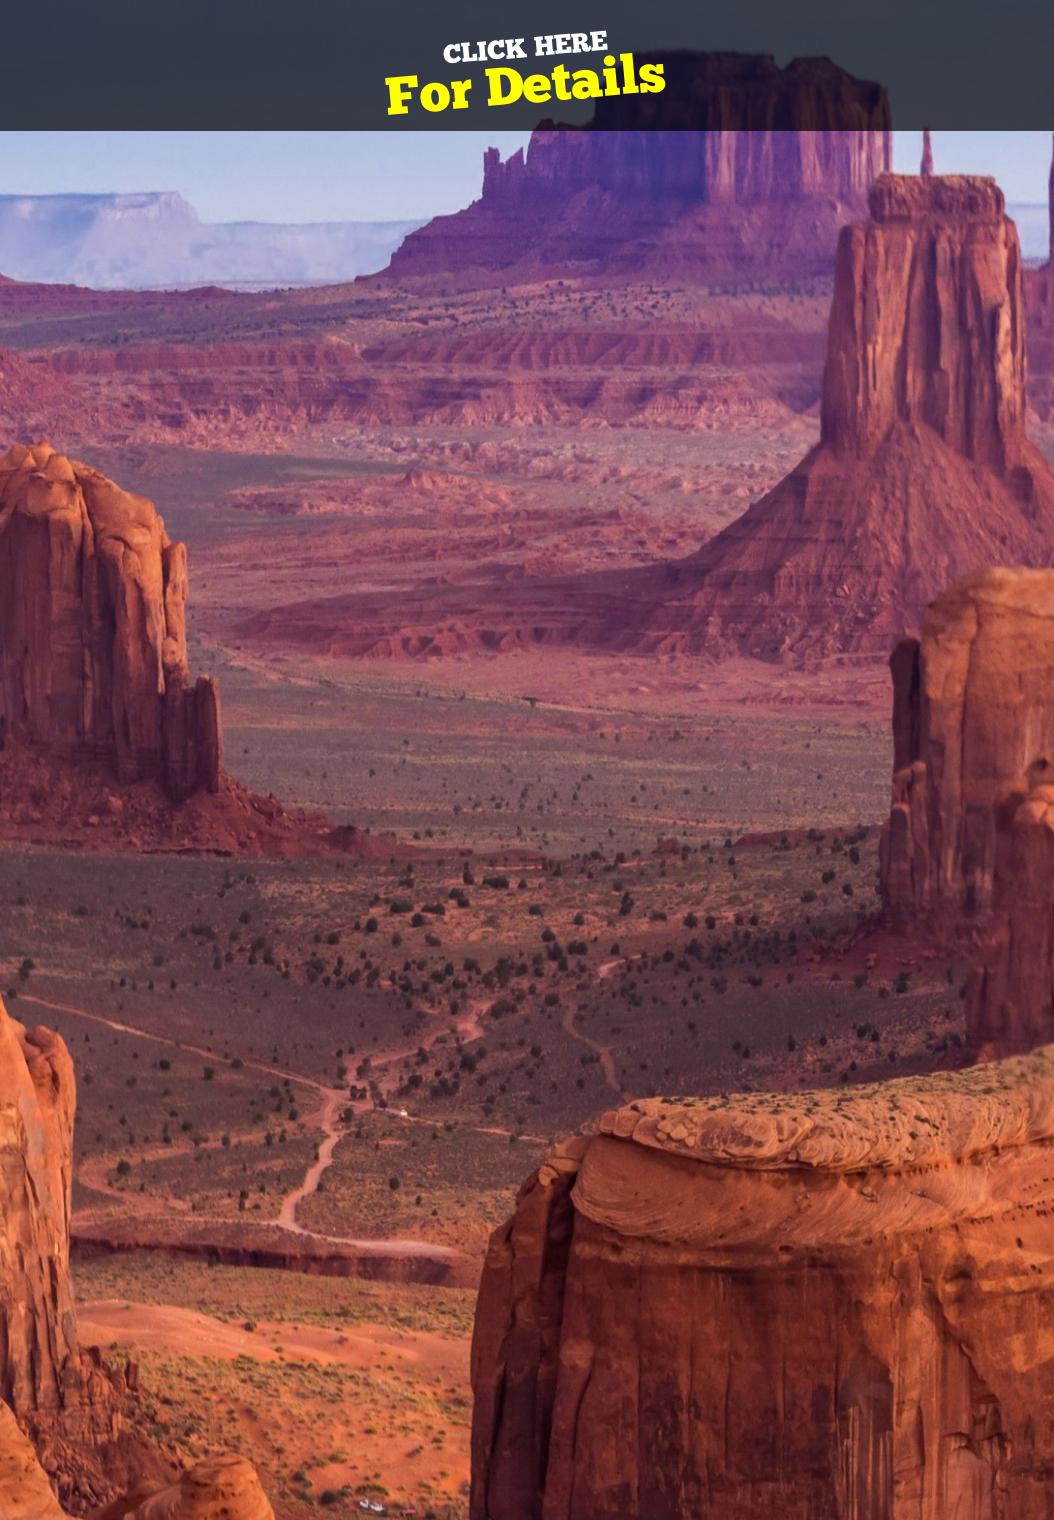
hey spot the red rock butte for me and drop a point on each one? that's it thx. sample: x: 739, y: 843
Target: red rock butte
x: 968, y: 850
x: 924, y: 471
x: 833, y: 1303
x: 783, y: 158
x: 93, y: 655
x: 973, y: 727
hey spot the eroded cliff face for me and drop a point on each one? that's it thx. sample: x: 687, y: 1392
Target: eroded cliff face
x: 93, y: 656
x: 37, y: 1332
x: 924, y: 472
x: 63, y: 1432
x: 66, y: 1400
x: 829, y: 1304
x: 744, y: 169
x: 973, y: 724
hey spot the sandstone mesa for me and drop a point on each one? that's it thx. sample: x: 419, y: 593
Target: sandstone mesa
x: 742, y: 199
x: 821, y: 1303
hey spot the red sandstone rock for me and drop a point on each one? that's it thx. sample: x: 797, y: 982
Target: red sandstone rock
x: 924, y: 471
x: 219, y: 1488
x: 25, y: 1493
x: 973, y: 727
x: 746, y: 170
x: 829, y: 1304
x: 1011, y: 996
x: 64, y: 1399
x: 93, y: 656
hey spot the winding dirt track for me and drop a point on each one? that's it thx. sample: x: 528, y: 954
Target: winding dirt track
x: 333, y: 1102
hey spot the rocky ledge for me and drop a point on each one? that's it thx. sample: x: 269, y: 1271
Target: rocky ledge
x: 824, y: 1304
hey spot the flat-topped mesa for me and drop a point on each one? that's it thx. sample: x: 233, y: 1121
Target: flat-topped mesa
x: 93, y: 654
x: 927, y: 325
x: 739, y: 170
x: 973, y: 725
x: 924, y: 472
x: 832, y: 1303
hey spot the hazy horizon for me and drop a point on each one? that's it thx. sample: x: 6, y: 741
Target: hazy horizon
x: 376, y: 176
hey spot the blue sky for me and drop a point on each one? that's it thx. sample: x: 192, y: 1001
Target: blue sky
x: 371, y: 176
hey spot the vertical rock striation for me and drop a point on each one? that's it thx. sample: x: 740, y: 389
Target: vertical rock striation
x: 973, y: 723
x: 93, y: 655
x: 834, y: 1304
x: 924, y: 471
x: 968, y: 850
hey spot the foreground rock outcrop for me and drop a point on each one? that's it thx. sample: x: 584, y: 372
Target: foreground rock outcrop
x: 62, y: 1409
x: 785, y: 157
x: 219, y: 1488
x: 924, y: 471
x: 93, y: 651
x: 67, y: 1400
x: 829, y: 1304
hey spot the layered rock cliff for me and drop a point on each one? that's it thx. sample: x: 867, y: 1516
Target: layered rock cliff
x: 829, y: 1304
x: 924, y: 471
x: 740, y: 170
x: 93, y: 655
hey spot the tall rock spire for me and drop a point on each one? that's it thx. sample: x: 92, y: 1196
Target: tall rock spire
x: 926, y: 166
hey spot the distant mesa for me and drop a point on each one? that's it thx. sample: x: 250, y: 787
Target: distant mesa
x: 831, y: 1303
x: 924, y: 471
x: 93, y: 653
x: 745, y: 171
x: 155, y: 238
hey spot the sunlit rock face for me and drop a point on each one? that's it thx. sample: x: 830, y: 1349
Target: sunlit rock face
x: 828, y: 1304
x: 93, y: 653
x: 924, y: 471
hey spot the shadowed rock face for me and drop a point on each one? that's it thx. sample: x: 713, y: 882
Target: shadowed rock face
x: 745, y: 170
x: 923, y: 473
x: 93, y: 656
x: 973, y: 720
x: 830, y: 1304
